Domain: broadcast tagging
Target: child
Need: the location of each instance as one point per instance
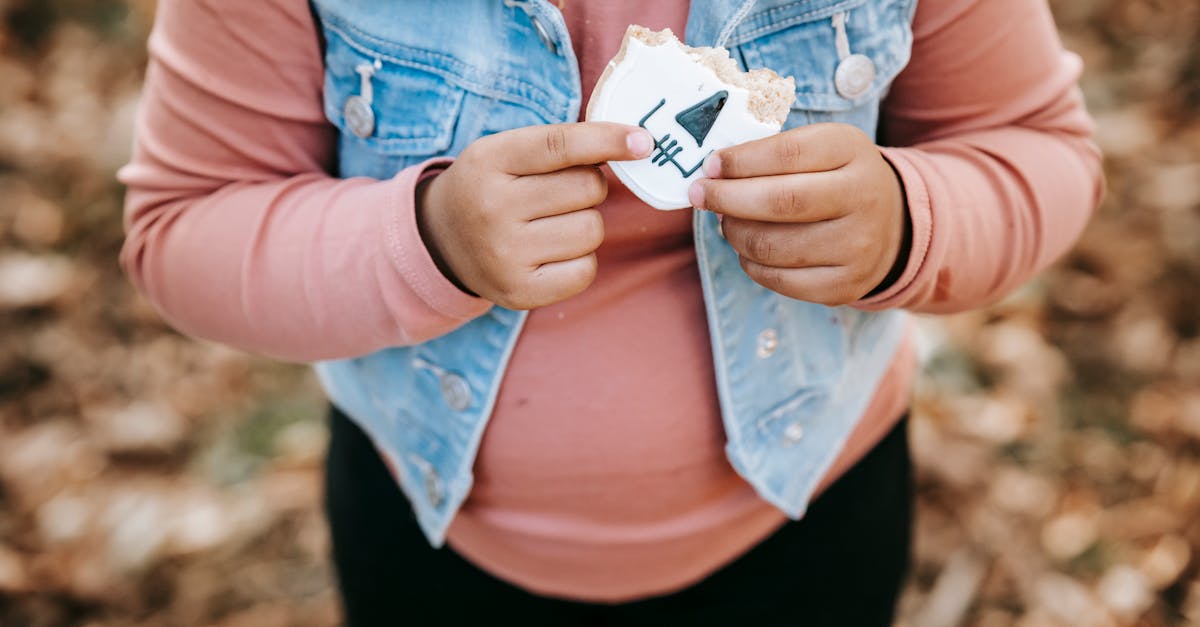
(630, 451)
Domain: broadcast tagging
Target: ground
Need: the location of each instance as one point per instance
(149, 479)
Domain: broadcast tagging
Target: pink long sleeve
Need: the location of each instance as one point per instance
(995, 155)
(236, 231)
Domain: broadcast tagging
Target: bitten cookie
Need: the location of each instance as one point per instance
(692, 101)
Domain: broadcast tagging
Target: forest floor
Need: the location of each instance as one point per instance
(150, 479)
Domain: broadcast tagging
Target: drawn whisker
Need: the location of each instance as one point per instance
(667, 149)
(665, 153)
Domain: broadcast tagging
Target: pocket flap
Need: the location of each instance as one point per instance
(798, 39)
(415, 107)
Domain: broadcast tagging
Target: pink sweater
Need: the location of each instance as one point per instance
(599, 477)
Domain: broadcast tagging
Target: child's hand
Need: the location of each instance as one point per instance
(513, 218)
(815, 213)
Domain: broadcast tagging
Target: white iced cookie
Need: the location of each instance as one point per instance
(692, 101)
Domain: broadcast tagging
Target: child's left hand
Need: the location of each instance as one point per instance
(815, 213)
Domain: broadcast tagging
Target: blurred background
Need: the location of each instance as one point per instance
(149, 479)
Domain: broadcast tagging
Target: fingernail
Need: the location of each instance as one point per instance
(712, 166)
(639, 143)
(696, 195)
(721, 225)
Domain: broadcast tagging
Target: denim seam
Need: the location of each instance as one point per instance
(456, 72)
(464, 475)
(808, 16)
(890, 336)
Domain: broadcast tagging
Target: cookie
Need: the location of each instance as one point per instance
(693, 101)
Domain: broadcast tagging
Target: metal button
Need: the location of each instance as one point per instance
(433, 487)
(455, 391)
(793, 434)
(854, 76)
(768, 341)
(432, 482)
(360, 117)
(543, 34)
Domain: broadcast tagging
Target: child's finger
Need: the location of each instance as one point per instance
(559, 280)
(811, 197)
(825, 285)
(572, 189)
(565, 237)
(800, 245)
(553, 147)
(814, 148)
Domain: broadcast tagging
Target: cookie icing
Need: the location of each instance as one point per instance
(688, 110)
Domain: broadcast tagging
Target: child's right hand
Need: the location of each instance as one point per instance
(513, 219)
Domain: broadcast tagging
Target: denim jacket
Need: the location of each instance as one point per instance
(407, 80)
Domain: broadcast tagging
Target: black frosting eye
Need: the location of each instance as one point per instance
(699, 118)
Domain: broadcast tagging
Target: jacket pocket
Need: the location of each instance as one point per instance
(392, 109)
(800, 39)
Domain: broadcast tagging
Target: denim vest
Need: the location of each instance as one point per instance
(430, 77)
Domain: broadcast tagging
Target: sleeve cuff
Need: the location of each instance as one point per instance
(921, 213)
(408, 253)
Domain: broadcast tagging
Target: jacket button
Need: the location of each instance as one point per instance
(854, 76)
(543, 34)
(768, 341)
(793, 434)
(432, 482)
(455, 391)
(433, 487)
(360, 118)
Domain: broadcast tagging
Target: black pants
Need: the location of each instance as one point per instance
(842, 565)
